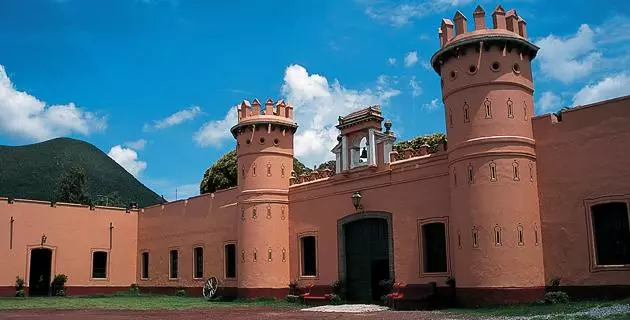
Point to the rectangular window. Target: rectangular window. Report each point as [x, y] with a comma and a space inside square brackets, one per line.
[611, 232]
[434, 247]
[99, 265]
[198, 262]
[309, 259]
[145, 265]
[230, 260]
[173, 264]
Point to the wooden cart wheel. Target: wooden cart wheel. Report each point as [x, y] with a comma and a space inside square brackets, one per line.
[210, 288]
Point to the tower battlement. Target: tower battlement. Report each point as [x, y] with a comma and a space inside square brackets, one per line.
[508, 29]
[279, 113]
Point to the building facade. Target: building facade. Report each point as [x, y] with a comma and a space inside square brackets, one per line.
[513, 201]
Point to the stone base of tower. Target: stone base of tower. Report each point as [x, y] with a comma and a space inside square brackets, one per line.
[483, 297]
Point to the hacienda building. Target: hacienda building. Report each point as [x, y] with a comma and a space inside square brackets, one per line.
[513, 201]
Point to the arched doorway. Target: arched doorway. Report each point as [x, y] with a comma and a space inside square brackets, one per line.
[39, 274]
[365, 256]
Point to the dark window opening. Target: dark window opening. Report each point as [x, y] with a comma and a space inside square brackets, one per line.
[459, 240]
[466, 115]
[497, 236]
[198, 260]
[611, 233]
[475, 237]
[470, 174]
[434, 247]
[230, 260]
[173, 264]
[99, 265]
[309, 262]
[145, 265]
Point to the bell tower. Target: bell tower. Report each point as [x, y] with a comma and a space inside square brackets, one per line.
[264, 147]
[487, 90]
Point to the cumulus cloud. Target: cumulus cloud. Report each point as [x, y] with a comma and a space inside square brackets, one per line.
[176, 118]
[548, 102]
[401, 14]
[567, 59]
[214, 133]
[128, 159]
[136, 145]
[391, 61]
[416, 90]
[433, 105]
[608, 88]
[317, 104]
[411, 58]
[26, 117]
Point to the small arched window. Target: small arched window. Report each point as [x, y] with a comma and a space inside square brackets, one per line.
[515, 170]
[466, 112]
[497, 236]
[510, 108]
[493, 171]
[488, 107]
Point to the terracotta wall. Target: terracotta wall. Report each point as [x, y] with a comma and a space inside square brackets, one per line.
[73, 232]
[208, 221]
[413, 190]
[581, 160]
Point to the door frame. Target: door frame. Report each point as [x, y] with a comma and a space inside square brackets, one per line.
[341, 236]
[53, 262]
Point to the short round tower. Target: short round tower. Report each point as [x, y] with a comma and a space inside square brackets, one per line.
[487, 91]
[264, 147]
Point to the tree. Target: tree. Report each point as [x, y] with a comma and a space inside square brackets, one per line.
[73, 187]
[222, 174]
[433, 140]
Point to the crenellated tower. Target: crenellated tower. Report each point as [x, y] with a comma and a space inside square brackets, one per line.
[487, 90]
[264, 147]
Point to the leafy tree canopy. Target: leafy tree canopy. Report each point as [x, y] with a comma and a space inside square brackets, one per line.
[73, 187]
[222, 174]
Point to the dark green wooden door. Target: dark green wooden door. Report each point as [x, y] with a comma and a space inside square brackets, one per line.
[367, 258]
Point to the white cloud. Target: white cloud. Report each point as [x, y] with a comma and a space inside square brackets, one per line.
[416, 90]
[567, 59]
[26, 117]
[402, 14]
[548, 102]
[411, 58]
[608, 88]
[176, 118]
[128, 159]
[213, 133]
[317, 104]
[391, 61]
[433, 105]
[136, 145]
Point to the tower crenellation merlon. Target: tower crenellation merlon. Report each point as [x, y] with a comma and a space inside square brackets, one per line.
[250, 111]
[502, 23]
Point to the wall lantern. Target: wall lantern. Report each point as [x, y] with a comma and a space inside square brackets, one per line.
[356, 200]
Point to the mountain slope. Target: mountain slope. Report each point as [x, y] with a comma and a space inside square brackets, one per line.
[33, 172]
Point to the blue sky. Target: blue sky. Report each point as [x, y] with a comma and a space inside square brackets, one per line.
[153, 83]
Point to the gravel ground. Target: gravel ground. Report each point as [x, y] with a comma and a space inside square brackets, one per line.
[596, 312]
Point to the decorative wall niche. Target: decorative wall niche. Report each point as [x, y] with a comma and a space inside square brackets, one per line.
[254, 216]
[519, 235]
[268, 169]
[497, 236]
[459, 239]
[255, 255]
[455, 176]
[515, 171]
[466, 109]
[253, 170]
[475, 237]
[531, 171]
[282, 170]
[450, 117]
[269, 255]
[471, 174]
[493, 171]
[268, 211]
[487, 105]
[510, 108]
[284, 255]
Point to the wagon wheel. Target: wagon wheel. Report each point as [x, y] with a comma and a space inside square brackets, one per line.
[210, 288]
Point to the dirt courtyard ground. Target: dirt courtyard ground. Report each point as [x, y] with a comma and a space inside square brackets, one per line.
[250, 313]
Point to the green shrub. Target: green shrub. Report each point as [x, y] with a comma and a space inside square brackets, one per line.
[58, 285]
[265, 299]
[133, 289]
[292, 298]
[294, 288]
[556, 297]
[19, 287]
[338, 288]
[180, 293]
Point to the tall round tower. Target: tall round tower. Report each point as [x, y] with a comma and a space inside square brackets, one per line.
[264, 147]
[487, 90]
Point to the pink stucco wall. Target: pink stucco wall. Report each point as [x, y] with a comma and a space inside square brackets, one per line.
[73, 232]
[208, 221]
[584, 159]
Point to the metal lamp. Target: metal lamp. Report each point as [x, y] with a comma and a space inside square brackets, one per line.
[356, 200]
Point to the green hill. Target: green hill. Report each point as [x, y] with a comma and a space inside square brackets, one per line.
[34, 171]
